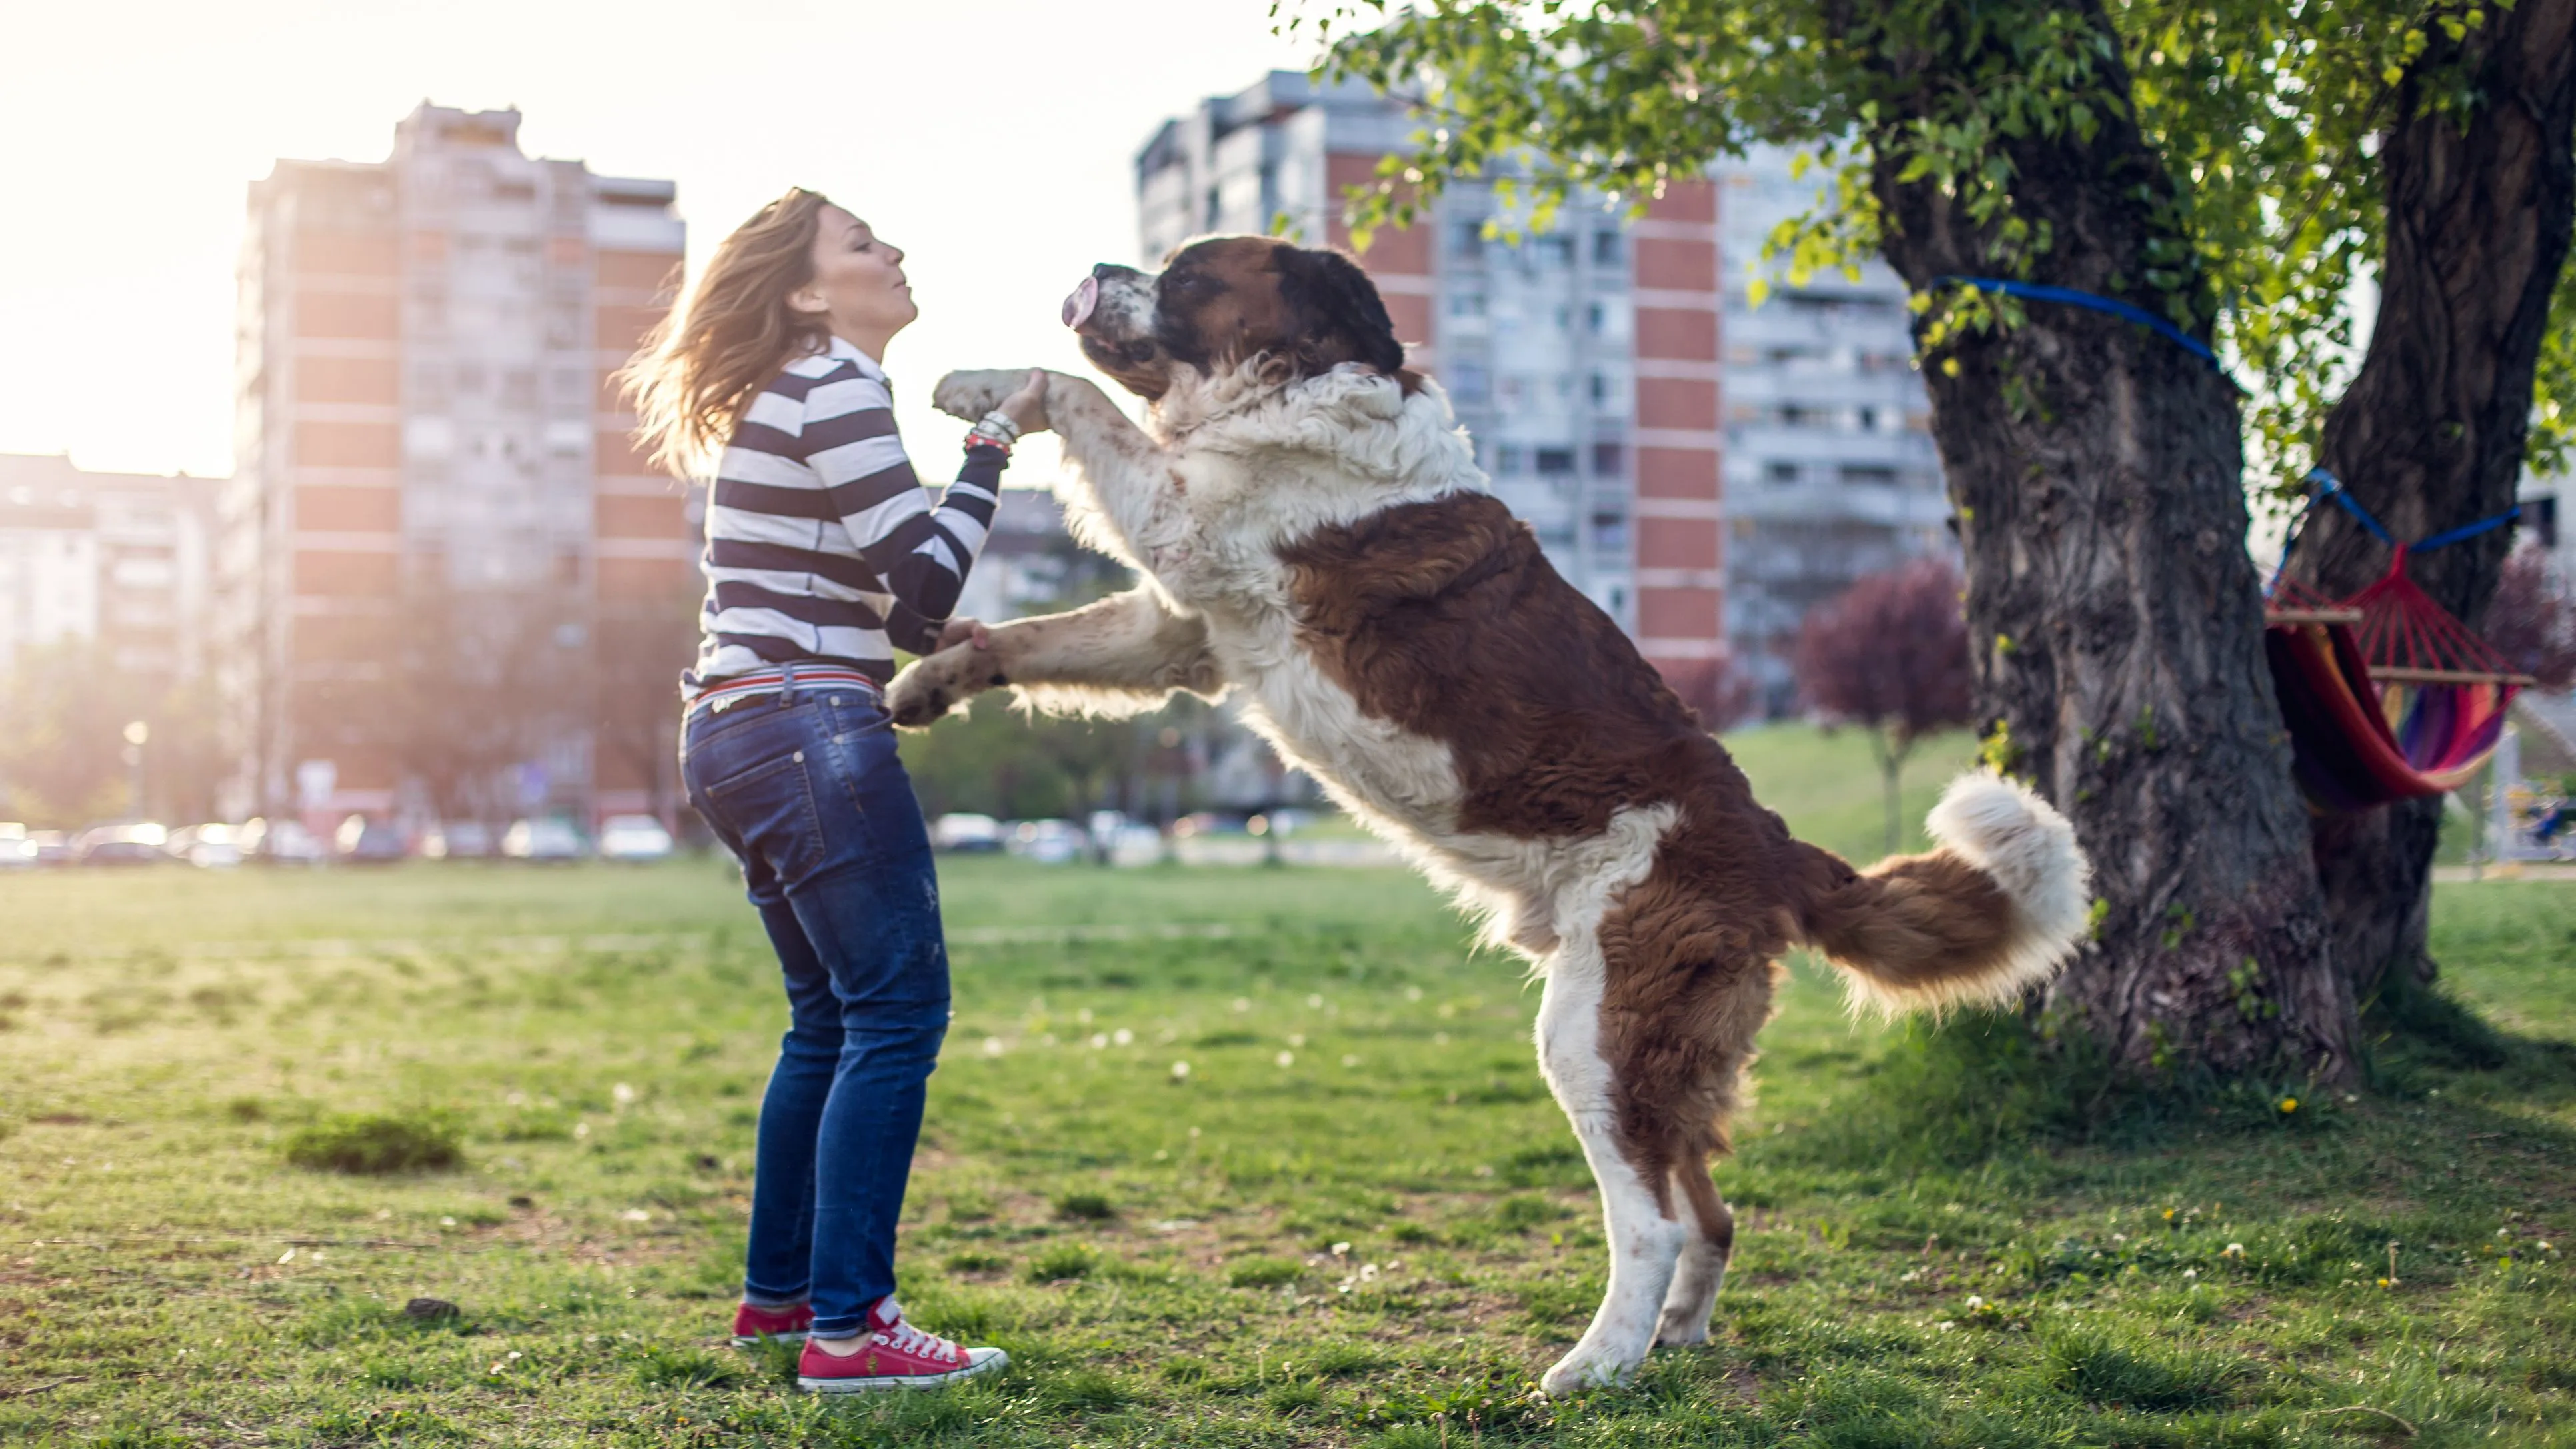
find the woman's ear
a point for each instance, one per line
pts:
(1339, 316)
(808, 300)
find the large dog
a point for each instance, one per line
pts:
(1314, 535)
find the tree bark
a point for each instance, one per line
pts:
(2115, 621)
(2430, 435)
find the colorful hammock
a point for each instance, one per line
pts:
(2387, 697)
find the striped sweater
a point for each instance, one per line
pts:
(821, 543)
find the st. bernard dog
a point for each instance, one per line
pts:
(1315, 538)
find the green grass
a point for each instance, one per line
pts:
(1377, 1243)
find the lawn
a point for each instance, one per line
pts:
(1356, 1220)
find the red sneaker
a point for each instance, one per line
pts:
(786, 1325)
(894, 1355)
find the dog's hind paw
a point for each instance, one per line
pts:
(1588, 1367)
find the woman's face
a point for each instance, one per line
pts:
(858, 283)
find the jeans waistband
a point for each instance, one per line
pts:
(785, 680)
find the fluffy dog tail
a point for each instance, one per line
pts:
(1992, 910)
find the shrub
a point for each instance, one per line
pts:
(357, 1142)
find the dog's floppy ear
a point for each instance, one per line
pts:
(1339, 317)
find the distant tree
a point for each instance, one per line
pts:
(64, 760)
(1891, 655)
(2532, 619)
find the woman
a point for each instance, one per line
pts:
(823, 557)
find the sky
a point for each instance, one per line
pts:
(992, 139)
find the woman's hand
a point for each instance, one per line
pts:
(961, 630)
(1027, 407)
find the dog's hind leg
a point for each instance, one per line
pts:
(1702, 1269)
(1645, 1238)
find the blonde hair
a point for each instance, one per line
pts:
(701, 366)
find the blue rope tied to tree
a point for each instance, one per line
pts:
(2125, 311)
(2330, 486)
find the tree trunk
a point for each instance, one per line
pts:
(2115, 621)
(2430, 435)
(1891, 769)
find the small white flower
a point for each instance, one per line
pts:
(447, 1222)
(624, 1094)
(514, 1353)
(1368, 1272)
(1122, 1037)
(1975, 1302)
(2233, 1250)
(1413, 993)
(1315, 1002)
(287, 1257)
(992, 1046)
(1946, 1324)
(636, 1215)
(1242, 1004)
(1296, 1038)
(581, 1129)
(1484, 1172)
(2190, 1273)
(1083, 1016)
(1100, 1041)
(1341, 1250)
(1181, 1073)
(1287, 1059)
(1350, 1061)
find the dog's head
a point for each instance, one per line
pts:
(1222, 301)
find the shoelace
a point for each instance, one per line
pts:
(902, 1337)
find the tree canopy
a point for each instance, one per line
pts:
(2267, 114)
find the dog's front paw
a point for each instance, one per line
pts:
(971, 392)
(940, 684)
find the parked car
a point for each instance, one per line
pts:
(279, 842)
(542, 840)
(457, 840)
(17, 848)
(965, 831)
(207, 847)
(362, 841)
(1048, 842)
(52, 847)
(633, 837)
(136, 844)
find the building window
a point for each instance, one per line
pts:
(1780, 475)
(1608, 459)
(1600, 387)
(1507, 461)
(1610, 530)
(1469, 382)
(1555, 462)
(1870, 474)
(1467, 240)
(1609, 249)
(1556, 249)
(1869, 420)
(1466, 304)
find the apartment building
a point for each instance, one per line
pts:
(447, 586)
(1584, 361)
(1831, 472)
(119, 561)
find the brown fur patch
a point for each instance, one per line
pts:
(1446, 618)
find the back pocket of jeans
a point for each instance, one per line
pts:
(770, 809)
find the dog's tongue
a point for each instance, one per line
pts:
(1077, 308)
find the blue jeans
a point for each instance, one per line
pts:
(808, 793)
